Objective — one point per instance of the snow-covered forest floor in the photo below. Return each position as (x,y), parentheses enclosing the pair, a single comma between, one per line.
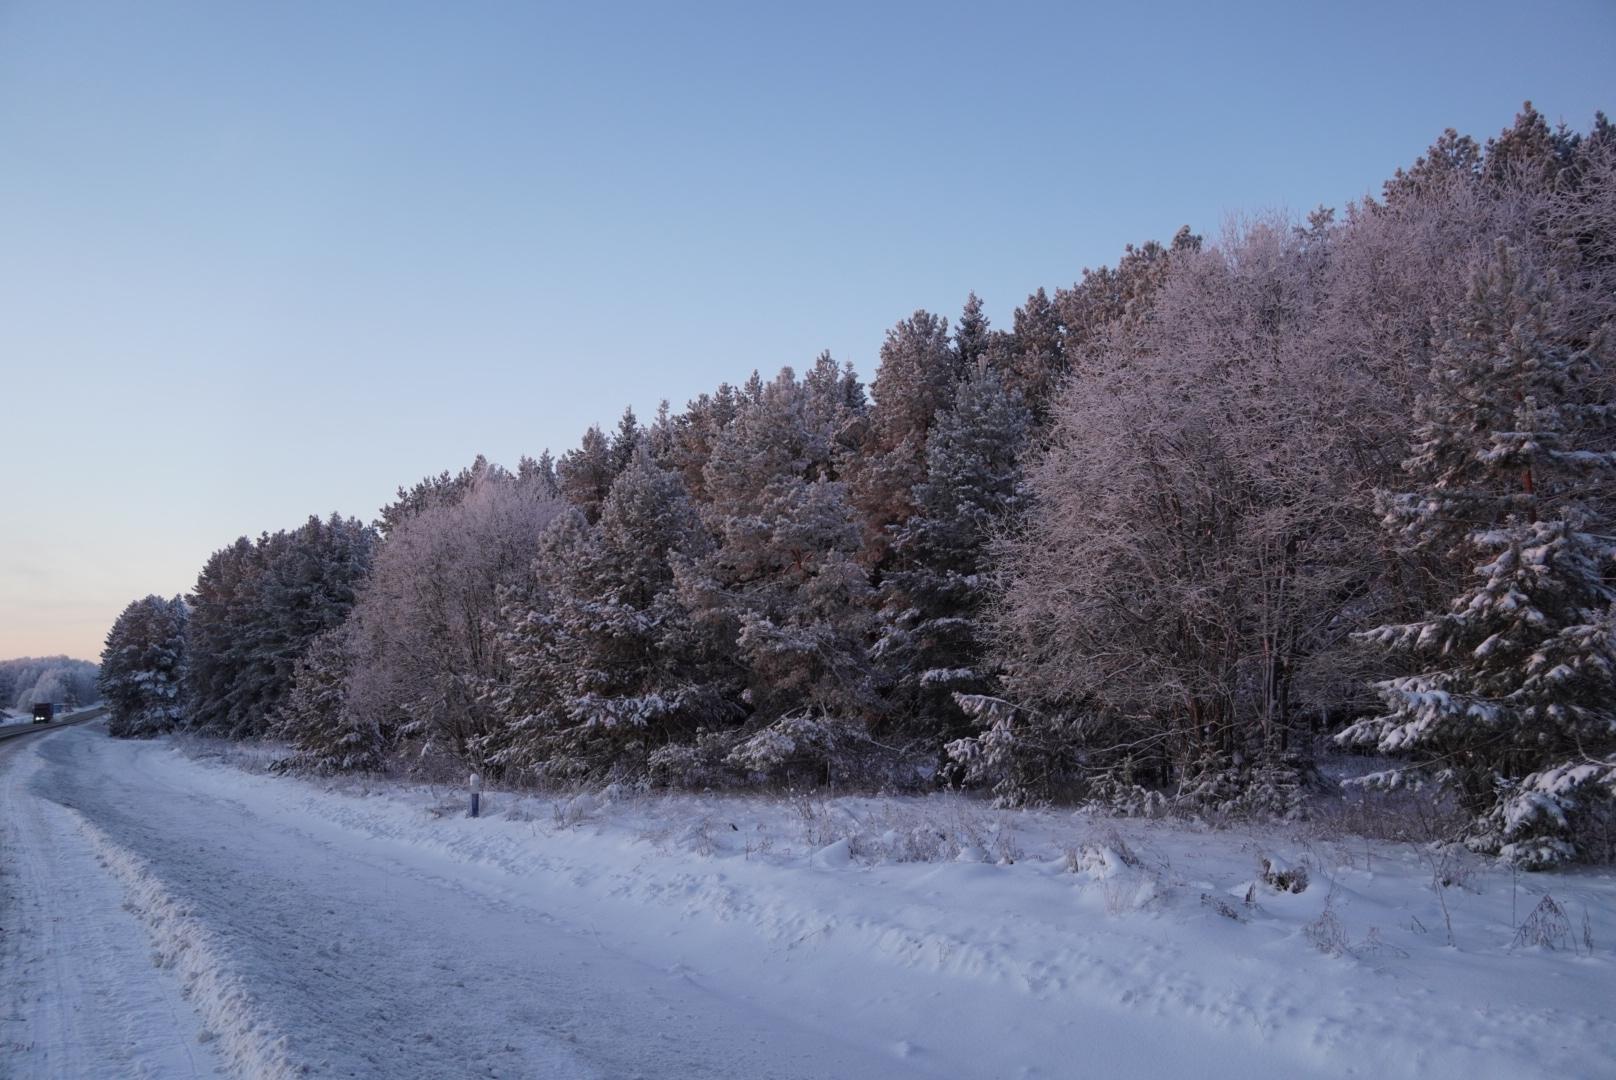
(369,928)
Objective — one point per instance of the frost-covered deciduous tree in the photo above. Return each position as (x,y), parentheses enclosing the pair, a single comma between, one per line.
(441,490)
(28,680)
(425,636)
(315,717)
(143,667)
(1192,541)
(1517,710)
(1110,303)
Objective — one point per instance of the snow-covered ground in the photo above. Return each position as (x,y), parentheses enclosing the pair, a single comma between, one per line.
(80,995)
(349,930)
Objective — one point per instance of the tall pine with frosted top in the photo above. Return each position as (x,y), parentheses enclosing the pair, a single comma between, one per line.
(1514,705)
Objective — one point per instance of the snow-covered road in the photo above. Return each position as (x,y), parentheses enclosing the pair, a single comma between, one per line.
(80,995)
(300,930)
(340,957)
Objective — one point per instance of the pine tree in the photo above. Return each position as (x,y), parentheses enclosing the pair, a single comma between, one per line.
(1517,712)
(142,667)
(1036,359)
(658,438)
(256,607)
(783,596)
(1529,153)
(919,367)
(804,603)
(787,431)
(1109,302)
(1452,159)
(585,474)
(222,607)
(695,432)
(835,395)
(441,490)
(932,645)
(540,475)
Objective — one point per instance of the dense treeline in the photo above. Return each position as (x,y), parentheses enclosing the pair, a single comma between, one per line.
(1349,476)
(30,679)
(255,608)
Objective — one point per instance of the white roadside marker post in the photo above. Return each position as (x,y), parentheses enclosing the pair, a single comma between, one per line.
(476,793)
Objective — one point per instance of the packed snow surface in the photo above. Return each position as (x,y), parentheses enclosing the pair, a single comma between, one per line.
(82,991)
(169,910)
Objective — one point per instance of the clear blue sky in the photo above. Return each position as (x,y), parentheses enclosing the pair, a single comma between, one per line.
(263,260)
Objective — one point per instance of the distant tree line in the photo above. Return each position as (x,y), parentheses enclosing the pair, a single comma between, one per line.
(1346,477)
(29,680)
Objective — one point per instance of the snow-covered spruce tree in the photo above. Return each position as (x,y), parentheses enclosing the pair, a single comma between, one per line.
(1516,711)
(143,667)
(1022,755)
(932,645)
(599,670)
(973,337)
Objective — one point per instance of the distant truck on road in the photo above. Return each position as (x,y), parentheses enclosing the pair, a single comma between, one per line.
(44,712)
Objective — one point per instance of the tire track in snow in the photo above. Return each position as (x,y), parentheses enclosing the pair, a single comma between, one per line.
(80,998)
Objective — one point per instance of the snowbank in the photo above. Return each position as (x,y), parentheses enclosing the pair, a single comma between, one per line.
(1114,939)
(184,944)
